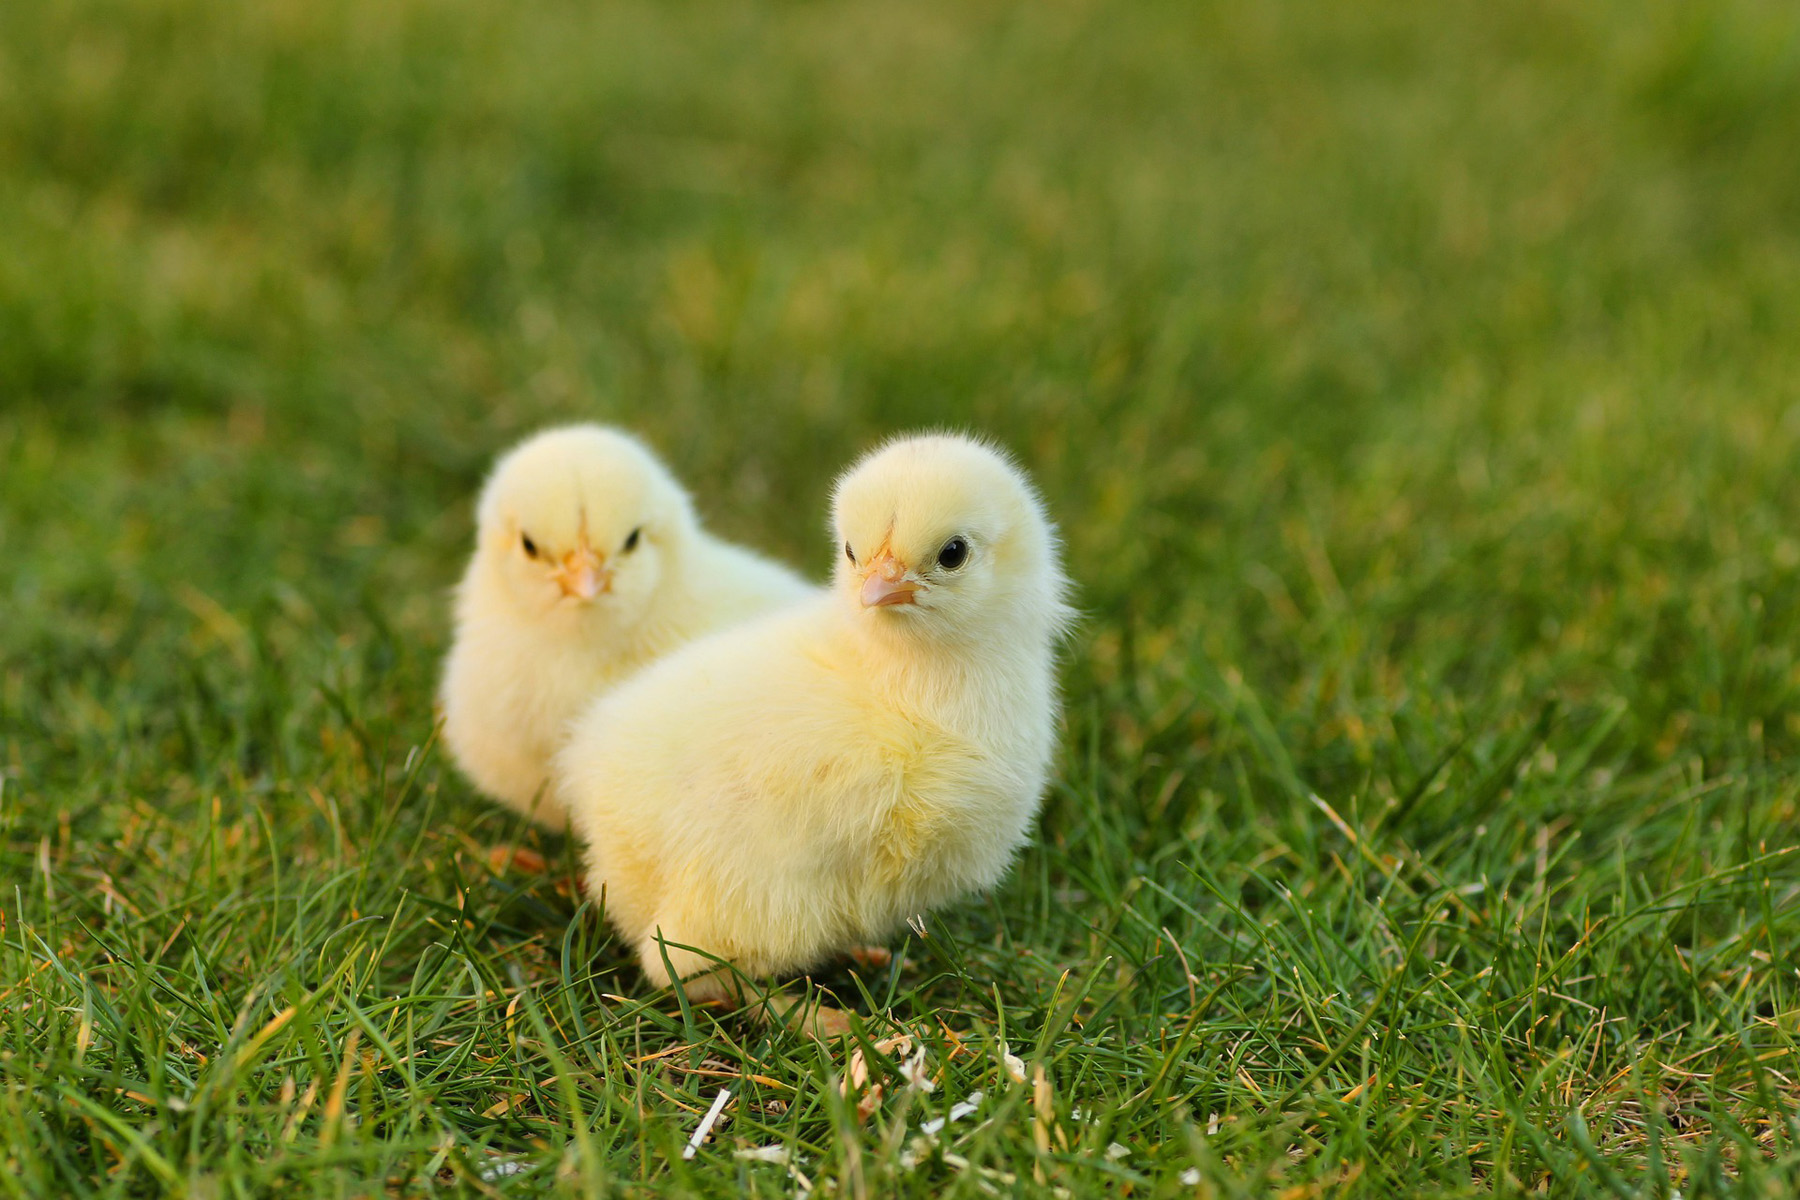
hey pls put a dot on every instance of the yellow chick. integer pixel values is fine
(589, 563)
(807, 781)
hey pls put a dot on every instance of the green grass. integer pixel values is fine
(1419, 390)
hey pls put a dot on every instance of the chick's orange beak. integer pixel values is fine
(583, 573)
(886, 583)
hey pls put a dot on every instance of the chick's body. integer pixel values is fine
(589, 564)
(807, 781)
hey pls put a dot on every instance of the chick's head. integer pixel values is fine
(942, 535)
(581, 523)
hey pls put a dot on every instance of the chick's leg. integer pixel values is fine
(664, 958)
(705, 980)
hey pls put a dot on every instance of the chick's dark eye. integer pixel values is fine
(530, 546)
(849, 554)
(954, 554)
(632, 541)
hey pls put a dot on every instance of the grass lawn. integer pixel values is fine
(1418, 389)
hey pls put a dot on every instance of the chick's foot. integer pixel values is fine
(870, 958)
(817, 1020)
(518, 858)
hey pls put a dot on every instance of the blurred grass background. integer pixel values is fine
(1419, 390)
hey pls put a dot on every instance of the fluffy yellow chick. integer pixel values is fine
(589, 563)
(805, 782)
